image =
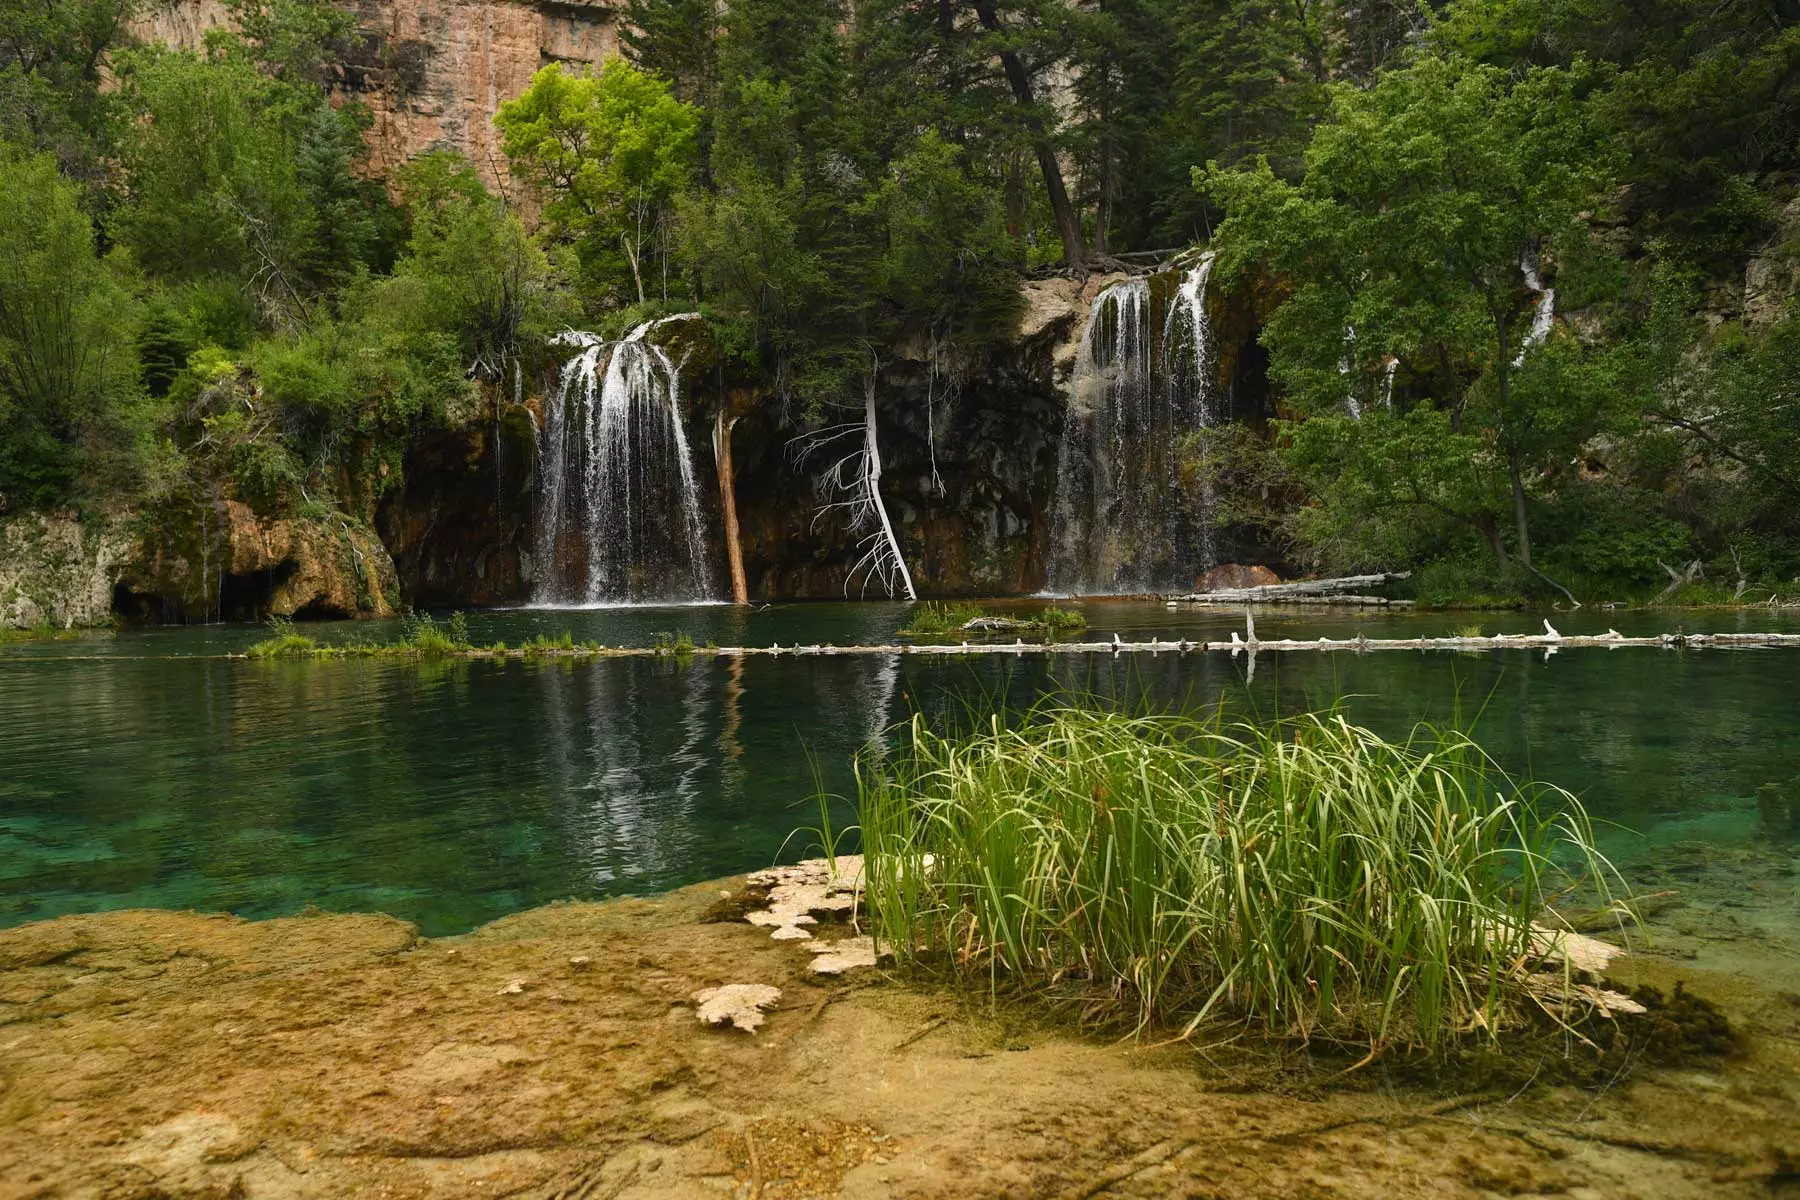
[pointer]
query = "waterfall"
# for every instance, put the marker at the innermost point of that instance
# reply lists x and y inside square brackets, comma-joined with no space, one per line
[1346,367]
[1122,520]
[1543,316]
[618,510]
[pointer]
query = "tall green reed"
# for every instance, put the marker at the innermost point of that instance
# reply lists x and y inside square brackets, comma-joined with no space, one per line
[1304,876]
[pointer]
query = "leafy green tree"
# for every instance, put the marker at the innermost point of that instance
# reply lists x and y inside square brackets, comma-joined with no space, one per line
[611,151]
[53,60]
[68,398]
[945,258]
[1423,201]
[1702,101]
[470,270]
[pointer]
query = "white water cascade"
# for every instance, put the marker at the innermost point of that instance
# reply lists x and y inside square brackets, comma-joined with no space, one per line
[619,511]
[1124,523]
[1542,316]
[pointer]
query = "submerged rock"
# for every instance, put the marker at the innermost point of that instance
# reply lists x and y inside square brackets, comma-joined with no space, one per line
[739,1005]
[800,894]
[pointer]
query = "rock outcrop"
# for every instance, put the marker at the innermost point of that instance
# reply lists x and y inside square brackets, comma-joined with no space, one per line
[1772,276]
[57,571]
[239,566]
[433,72]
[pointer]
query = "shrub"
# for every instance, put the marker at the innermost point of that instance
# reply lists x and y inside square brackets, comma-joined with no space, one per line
[1306,877]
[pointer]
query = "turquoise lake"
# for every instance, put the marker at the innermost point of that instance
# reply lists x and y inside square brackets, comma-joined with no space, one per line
[147,769]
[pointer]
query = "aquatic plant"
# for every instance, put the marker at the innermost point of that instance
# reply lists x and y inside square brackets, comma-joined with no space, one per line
[679,644]
[954,617]
[541,645]
[1304,877]
[422,635]
[934,617]
[283,641]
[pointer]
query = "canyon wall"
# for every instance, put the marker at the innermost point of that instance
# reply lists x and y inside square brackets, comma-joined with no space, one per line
[433,72]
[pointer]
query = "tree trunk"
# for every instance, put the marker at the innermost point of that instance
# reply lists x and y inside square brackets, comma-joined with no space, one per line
[1019,79]
[1519,517]
[734,549]
[872,481]
[1514,476]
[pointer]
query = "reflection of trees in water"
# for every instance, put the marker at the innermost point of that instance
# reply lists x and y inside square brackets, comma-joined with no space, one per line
[628,751]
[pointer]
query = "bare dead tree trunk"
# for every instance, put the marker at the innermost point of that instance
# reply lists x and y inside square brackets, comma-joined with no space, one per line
[872,481]
[734,548]
[1068,225]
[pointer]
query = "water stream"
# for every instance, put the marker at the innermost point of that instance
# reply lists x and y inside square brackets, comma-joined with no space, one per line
[619,507]
[1126,521]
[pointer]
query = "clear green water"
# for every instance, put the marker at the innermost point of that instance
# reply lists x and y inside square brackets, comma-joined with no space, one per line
[135,770]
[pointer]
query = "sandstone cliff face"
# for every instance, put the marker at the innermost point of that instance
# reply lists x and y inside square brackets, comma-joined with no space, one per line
[433,72]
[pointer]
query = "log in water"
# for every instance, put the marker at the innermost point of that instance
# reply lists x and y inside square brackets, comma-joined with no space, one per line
[1549,641]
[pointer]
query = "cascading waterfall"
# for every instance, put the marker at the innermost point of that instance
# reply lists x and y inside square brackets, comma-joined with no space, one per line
[1389,368]
[619,509]
[1542,316]
[1124,522]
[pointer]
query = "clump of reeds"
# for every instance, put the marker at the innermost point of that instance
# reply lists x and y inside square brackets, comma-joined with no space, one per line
[283,641]
[933,618]
[1305,877]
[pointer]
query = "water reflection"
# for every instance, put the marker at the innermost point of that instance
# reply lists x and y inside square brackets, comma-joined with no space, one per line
[452,793]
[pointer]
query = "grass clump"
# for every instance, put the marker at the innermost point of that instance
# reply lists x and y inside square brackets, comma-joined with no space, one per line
[1306,878]
[283,641]
[424,636]
[541,646]
[934,617]
[678,644]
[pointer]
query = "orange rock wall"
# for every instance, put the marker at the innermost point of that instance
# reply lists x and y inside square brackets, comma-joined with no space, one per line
[433,72]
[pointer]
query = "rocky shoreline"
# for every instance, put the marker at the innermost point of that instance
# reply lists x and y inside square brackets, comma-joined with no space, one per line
[556,1053]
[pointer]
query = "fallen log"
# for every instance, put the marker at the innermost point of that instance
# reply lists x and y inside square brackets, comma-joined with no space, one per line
[1300,590]
[1549,642]
[1235,596]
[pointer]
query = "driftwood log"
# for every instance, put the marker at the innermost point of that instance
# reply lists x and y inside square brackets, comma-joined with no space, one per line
[1343,590]
[1548,641]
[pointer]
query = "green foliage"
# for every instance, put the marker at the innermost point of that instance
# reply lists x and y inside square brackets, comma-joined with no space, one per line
[1406,240]
[934,617]
[677,644]
[75,422]
[469,269]
[611,151]
[1304,878]
[283,641]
